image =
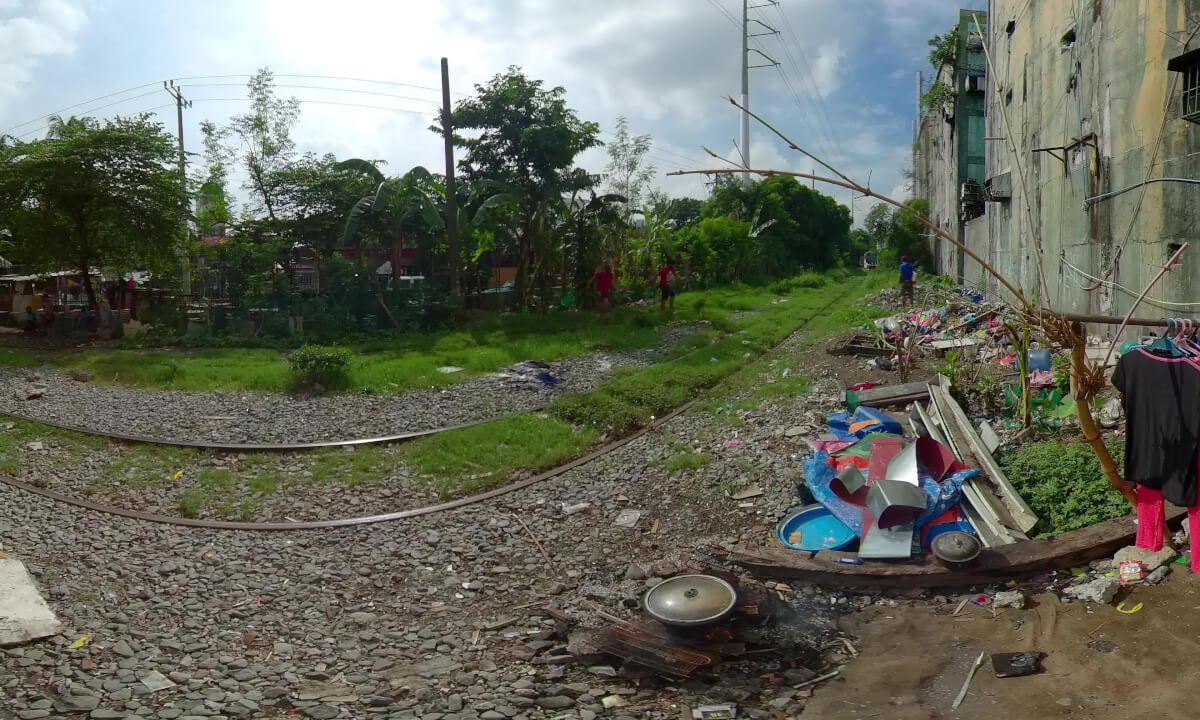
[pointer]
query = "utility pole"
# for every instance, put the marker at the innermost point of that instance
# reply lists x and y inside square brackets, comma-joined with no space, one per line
[746,68]
[745,90]
[451,197]
[185,272]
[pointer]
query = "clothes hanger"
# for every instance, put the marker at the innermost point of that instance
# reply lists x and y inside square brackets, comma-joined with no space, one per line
[1164,345]
[1189,337]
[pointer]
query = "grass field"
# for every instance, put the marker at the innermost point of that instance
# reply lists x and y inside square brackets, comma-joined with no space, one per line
[745,323]
[395,365]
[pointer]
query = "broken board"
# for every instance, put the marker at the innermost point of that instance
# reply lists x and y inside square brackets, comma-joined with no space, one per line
[889,395]
[1021,559]
[24,615]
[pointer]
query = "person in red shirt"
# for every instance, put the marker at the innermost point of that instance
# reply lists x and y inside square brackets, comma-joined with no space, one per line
[664,285]
[604,283]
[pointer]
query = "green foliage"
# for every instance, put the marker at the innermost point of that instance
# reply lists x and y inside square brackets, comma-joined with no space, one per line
[940,96]
[943,49]
[687,461]
[628,172]
[17,358]
[316,366]
[1061,365]
[893,233]
[1064,485]
[93,194]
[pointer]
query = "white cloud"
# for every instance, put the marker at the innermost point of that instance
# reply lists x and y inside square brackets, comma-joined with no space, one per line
[30,32]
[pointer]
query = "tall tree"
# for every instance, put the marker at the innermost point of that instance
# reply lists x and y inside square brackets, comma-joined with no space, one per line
[93,194]
[214,206]
[628,172]
[519,134]
[409,207]
[265,144]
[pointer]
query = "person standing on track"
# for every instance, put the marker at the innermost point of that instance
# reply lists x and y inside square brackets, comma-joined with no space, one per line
[604,283]
[666,291]
[907,278]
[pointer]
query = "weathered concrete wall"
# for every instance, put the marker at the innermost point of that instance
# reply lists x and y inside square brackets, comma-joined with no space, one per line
[935,164]
[1108,85]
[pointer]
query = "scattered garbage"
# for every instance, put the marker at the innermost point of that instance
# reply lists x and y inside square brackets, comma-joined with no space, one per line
[628,518]
[751,492]
[1017,664]
[1149,559]
[1009,599]
[1101,590]
[529,374]
[449,369]
[155,681]
[715,712]
[1130,571]
[576,508]
[962,694]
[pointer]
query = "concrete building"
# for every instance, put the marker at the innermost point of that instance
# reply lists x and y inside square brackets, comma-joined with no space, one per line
[948,154]
[1098,103]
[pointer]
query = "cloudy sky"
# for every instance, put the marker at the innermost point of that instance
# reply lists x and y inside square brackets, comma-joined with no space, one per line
[844,89]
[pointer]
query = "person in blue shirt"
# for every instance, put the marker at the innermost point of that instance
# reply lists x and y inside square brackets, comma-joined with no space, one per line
[907,275]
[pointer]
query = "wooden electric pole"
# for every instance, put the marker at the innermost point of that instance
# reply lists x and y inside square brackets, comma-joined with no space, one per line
[451,195]
[185,273]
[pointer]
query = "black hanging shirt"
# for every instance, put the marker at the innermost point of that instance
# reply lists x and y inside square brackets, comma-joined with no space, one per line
[1162,411]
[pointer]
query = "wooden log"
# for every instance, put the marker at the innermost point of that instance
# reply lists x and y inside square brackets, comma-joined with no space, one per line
[1022,559]
[889,395]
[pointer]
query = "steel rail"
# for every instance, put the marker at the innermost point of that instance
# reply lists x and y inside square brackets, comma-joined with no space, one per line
[259,447]
[345,522]
[203,523]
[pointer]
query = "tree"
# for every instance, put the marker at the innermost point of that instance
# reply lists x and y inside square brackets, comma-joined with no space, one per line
[686,211]
[628,175]
[94,194]
[214,206]
[520,135]
[265,142]
[408,206]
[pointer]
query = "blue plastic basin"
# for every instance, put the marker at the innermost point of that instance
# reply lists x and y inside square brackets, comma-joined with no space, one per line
[818,528]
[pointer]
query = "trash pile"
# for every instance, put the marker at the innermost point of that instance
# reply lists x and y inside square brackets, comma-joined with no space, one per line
[529,375]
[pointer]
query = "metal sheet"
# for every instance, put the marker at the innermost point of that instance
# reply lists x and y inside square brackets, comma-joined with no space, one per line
[880,543]
[893,502]
[850,485]
[903,467]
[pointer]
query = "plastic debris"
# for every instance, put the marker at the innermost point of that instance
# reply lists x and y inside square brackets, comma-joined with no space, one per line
[1130,571]
[962,694]
[1016,664]
[1130,611]
[449,369]
[715,712]
[1009,599]
[576,508]
[628,518]
[155,681]
[80,642]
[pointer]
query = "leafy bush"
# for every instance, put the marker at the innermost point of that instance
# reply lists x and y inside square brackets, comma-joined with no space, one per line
[1064,485]
[319,367]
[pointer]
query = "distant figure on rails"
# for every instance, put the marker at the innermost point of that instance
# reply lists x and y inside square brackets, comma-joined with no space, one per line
[907,277]
[604,283]
[664,284]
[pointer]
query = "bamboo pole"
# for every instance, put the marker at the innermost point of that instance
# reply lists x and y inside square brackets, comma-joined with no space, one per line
[1154,281]
[1087,424]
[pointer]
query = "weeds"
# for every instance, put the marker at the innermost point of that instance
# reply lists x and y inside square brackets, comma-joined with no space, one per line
[1064,485]
[687,461]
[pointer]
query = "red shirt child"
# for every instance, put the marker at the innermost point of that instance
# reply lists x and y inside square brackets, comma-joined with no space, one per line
[604,282]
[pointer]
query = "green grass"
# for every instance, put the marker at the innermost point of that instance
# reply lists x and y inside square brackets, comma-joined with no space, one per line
[468,460]
[18,358]
[392,365]
[687,461]
[461,461]
[66,447]
[1064,485]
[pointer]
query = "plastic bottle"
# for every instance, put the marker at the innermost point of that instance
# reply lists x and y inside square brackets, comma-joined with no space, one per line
[1039,360]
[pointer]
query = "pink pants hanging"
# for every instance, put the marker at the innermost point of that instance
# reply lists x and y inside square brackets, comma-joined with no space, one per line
[1152,523]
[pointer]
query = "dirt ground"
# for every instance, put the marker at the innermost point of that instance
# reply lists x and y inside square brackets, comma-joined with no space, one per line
[1099,663]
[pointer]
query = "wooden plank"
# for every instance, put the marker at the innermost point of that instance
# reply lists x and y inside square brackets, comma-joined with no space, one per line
[943,345]
[887,395]
[1022,514]
[1031,557]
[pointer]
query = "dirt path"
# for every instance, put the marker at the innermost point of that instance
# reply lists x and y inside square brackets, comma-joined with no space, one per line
[1099,663]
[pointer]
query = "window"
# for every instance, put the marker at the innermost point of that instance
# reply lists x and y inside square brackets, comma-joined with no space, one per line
[1188,66]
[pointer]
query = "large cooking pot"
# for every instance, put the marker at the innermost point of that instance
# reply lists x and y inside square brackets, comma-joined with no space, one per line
[690,600]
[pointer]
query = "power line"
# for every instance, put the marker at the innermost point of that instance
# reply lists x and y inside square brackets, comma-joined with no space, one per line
[43,116]
[728,16]
[807,73]
[321,87]
[326,102]
[324,77]
[92,110]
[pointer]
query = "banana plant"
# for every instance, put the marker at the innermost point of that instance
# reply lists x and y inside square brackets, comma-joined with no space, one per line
[407,207]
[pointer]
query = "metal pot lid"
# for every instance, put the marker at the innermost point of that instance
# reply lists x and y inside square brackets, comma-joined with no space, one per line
[956,546]
[690,600]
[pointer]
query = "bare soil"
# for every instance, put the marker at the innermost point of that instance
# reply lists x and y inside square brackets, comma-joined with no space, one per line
[1099,663]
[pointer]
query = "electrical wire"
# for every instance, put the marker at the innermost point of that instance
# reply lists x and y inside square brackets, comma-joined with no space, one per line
[43,116]
[728,16]
[324,102]
[1122,288]
[324,77]
[1095,198]
[320,87]
[807,72]
[92,110]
